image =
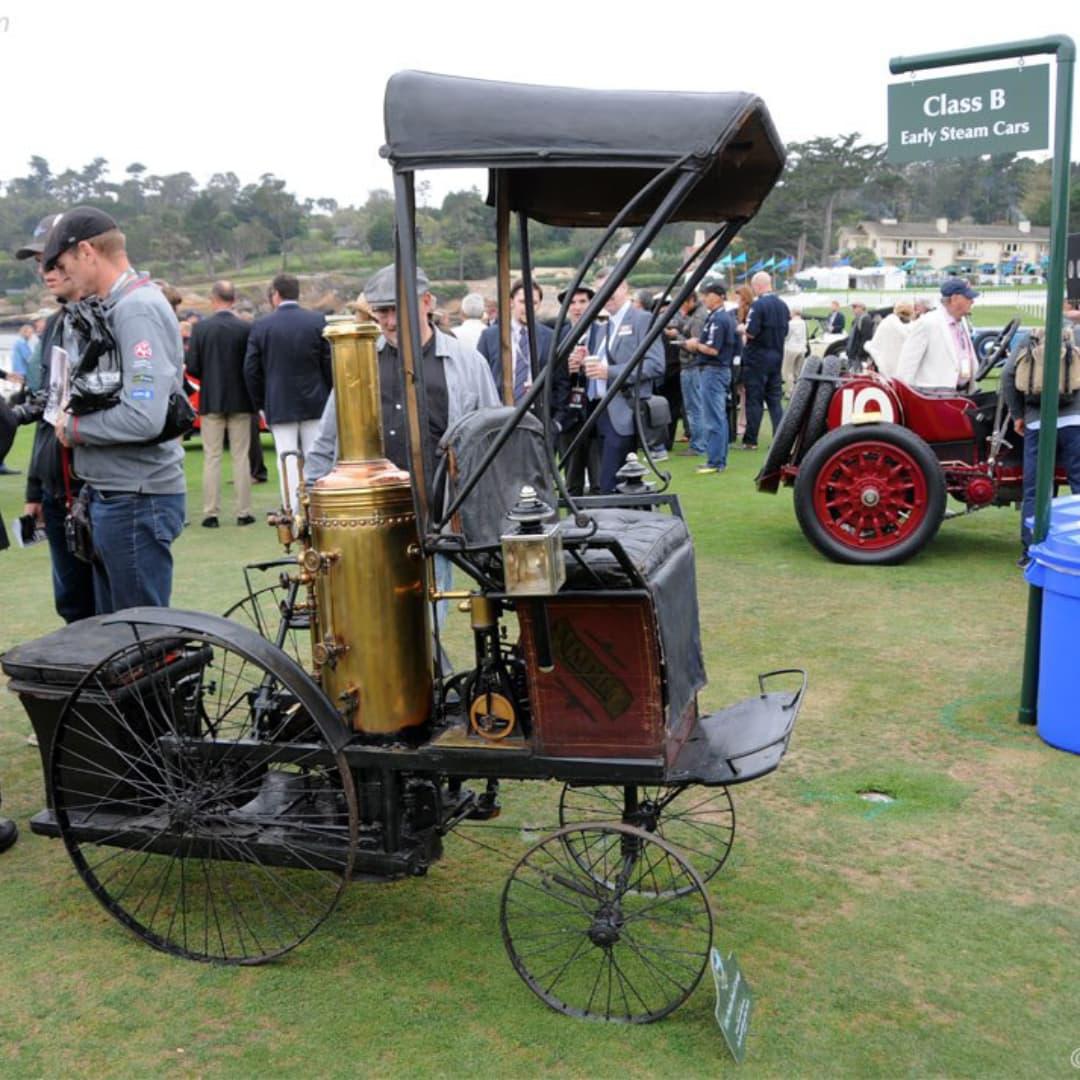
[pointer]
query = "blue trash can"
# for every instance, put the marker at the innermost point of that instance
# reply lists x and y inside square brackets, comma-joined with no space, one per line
[1055,567]
[1064,512]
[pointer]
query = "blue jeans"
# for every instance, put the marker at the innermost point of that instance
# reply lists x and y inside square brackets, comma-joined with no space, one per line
[690,377]
[764,385]
[715,387]
[133,535]
[73,580]
[1068,458]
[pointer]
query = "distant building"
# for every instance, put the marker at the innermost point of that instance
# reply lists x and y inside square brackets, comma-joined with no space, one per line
[939,244]
[346,236]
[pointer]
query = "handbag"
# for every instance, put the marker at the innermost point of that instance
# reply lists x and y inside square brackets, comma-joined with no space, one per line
[655,417]
[179,418]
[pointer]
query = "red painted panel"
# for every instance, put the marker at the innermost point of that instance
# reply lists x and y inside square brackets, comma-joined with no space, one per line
[603,698]
[934,419]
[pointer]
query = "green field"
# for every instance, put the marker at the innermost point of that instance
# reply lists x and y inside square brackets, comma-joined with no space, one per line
[935,935]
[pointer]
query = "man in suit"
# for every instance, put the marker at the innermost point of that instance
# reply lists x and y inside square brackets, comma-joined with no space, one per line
[834,323]
[488,347]
[216,358]
[586,458]
[288,375]
[611,347]
[938,353]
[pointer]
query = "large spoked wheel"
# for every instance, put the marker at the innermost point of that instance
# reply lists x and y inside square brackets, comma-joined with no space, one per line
[870,494]
[624,936]
[200,789]
[699,821]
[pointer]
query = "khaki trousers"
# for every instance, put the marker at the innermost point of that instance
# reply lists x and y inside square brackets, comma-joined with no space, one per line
[213,427]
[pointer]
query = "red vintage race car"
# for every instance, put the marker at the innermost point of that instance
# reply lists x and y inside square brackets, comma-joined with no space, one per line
[873,460]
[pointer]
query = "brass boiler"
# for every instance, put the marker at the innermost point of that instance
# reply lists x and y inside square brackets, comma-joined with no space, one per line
[372,634]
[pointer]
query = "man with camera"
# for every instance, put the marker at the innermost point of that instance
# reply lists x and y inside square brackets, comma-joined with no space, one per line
[50,487]
[119,406]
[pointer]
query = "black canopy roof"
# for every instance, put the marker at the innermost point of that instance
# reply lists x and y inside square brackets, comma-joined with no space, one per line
[576,157]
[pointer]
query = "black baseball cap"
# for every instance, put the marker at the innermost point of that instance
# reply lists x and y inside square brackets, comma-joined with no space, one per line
[714,287]
[75,225]
[36,243]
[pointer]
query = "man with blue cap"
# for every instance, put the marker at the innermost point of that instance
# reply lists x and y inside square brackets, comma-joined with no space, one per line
[938,353]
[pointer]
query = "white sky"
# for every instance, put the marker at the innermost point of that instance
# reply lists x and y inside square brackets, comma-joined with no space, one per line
[296,89]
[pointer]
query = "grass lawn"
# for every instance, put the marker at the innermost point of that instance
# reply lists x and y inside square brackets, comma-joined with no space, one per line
[935,935]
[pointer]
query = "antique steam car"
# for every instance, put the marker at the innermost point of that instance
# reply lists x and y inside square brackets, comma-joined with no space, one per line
[218,785]
[872,459]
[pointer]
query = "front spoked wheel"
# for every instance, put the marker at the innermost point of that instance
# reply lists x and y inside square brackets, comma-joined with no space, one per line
[699,821]
[203,796]
[622,935]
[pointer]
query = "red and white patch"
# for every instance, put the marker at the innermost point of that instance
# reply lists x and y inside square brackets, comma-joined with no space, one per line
[143,351]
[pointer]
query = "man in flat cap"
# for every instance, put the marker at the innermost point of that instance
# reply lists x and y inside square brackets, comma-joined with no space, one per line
[456,378]
[938,353]
[136,481]
[457,381]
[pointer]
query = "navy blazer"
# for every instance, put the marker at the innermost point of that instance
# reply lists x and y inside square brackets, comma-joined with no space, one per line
[621,347]
[287,365]
[216,358]
[488,347]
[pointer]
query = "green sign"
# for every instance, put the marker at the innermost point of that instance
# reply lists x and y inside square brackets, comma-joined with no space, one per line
[993,112]
[733,1002]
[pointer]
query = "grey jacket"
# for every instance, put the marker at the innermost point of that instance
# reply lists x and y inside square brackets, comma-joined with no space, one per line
[468,386]
[621,347]
[111,448]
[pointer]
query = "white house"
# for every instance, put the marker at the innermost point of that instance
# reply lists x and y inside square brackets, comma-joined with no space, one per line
[939,244]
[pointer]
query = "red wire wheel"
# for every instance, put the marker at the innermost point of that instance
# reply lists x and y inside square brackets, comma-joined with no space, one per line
[870,494]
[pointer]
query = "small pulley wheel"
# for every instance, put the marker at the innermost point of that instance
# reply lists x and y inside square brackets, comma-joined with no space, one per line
[492,716]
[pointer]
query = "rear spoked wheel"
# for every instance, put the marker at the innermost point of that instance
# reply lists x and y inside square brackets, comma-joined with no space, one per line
[699,821]
[272,613]
[202,794]
[621,932]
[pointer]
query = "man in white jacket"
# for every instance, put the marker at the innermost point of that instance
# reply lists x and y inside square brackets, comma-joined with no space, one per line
[938,353]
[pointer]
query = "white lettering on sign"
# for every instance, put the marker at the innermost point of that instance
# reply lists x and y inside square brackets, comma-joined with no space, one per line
[866,399]
[1003,127]
[943,105]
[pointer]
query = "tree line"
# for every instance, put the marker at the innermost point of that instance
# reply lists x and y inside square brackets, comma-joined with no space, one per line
[177,228]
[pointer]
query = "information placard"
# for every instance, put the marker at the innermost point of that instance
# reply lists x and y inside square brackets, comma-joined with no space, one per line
[734,1002]
[992,112]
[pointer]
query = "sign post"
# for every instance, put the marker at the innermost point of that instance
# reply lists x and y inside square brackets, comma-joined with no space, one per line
[1064,50]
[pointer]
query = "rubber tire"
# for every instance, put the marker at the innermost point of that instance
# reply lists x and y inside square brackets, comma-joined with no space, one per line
[991,352]
[791,422]
[846,436]
[819,410]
